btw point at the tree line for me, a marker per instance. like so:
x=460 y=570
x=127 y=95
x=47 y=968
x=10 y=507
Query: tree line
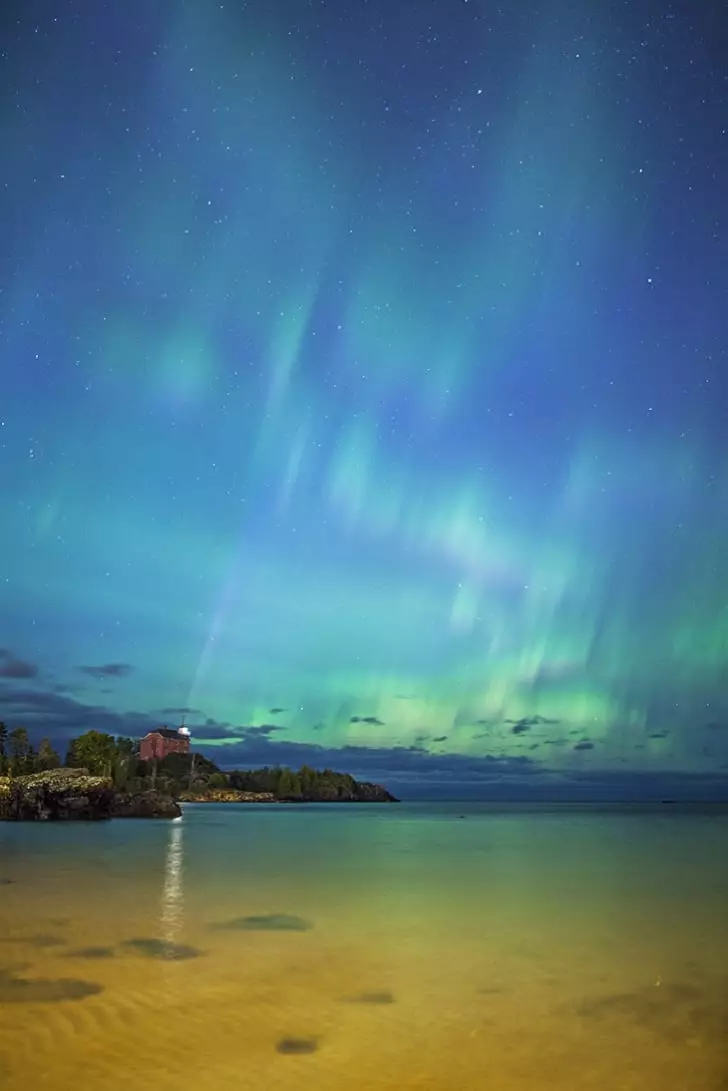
x=101 y=754
x=18 y=755
x=118 y=758
x=304 y=783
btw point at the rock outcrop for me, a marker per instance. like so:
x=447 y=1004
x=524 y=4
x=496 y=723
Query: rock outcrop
x=359 y=792
x=366 y=792
x=144 y=805
x=227 y=795
x=56 y=794
x=63 y=794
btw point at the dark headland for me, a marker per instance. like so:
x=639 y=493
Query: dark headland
x=104 y=778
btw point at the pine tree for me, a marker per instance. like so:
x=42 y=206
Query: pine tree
x=289 y=785
x=47 y=758
x=19 y=750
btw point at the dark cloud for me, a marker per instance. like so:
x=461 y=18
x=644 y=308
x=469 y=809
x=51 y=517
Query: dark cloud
x=183 y=710
x=12 y=666
x=583 y=745
x=440 y=738
x=527 y=722
x=213 y=730
x=366 y=720
x=621 y=785
x=108 y=670
x=714 y=725
x=275 y=711
x=60 y=716
x=658 y=734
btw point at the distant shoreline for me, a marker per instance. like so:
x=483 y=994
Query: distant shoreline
x=223 y=797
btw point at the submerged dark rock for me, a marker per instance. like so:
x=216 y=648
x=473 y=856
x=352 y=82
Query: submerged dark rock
x=45 y=939
x=675 y=1010
x=161 y=949
x=28 y=990
x=267 y=922
x=297 y=1045
x=92 y=953
x=377 y=997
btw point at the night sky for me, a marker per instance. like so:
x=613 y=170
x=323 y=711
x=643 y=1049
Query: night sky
x=365 y=386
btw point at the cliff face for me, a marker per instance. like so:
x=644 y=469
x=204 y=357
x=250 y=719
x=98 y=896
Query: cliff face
x=63 y=794
x=56 y=794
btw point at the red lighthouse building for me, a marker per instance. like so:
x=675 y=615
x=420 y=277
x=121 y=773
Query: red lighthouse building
x=163 y=741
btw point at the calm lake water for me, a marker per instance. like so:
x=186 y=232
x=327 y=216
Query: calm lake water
x=368 y=949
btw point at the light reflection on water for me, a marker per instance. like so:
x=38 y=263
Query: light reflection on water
x=172 y=913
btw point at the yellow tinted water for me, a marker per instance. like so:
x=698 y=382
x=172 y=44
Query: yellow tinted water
x=423 y=968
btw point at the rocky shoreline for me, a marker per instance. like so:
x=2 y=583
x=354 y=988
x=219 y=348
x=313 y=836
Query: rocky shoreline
x=227 y=795
x=68 y=794
x=363 y=793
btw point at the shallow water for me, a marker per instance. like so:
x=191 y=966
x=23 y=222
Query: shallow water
x=367 y=948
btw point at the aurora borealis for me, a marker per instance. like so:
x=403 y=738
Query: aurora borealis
x=364 y=386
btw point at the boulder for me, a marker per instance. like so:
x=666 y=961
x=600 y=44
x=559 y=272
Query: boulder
x=56 y=794
x=144 y=805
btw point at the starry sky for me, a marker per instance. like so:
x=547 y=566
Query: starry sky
x=365 y=386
